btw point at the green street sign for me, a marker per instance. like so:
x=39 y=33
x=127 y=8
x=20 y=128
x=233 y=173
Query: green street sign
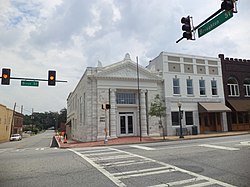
x=215 y=22
x=29 y=83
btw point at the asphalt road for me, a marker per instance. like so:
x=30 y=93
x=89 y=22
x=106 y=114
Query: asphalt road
x=223 y=161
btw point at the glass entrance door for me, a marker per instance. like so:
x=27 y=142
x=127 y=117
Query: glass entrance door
x=126 y=123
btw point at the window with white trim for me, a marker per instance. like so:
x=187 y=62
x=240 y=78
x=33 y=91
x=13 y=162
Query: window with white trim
x=233 y=87
x=214 y=87
x=247 y=87
x=125 y=98
x=202 y=87
x=189 y=118
x=190 y=90
x=175 y=118
x=176 y=86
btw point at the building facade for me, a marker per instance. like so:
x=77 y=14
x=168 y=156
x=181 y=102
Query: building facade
x=236 y=80
x=117 y=86
x=5 y=123
x=194 y=86
x=17 y=123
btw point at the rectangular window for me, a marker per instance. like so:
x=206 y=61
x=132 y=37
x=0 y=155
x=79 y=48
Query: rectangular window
x=189 y=118
x=214 y=87
x=125 y=98
x=233 y=89
x=175 y=118
x=190 y=87
x=176 y=86
x=247 y=90
x=202 y=87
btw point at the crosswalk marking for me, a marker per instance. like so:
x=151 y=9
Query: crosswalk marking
x=112 y=157
x=140 y=171
x=181 y=182
x=245 y=143
x=219 y=147
x=113 y=163
x=142 y=147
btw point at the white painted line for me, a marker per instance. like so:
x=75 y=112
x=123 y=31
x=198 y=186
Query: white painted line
x=105 y=153
x=120 y=163
x=90 y=150
x=175 y=183
x=142 y=147
x=112 y=157
x=245 y=143
x=142 y=171
x=102 y=170
x=201 y=184
x=131 y=163
x=219 y=147
x=42 y=149
x=178 y=169
x=145 y=174
x=37 y=149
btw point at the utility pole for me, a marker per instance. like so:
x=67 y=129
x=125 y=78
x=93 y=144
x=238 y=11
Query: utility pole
x=32 y=120
x=139 y=99
x=12 y=121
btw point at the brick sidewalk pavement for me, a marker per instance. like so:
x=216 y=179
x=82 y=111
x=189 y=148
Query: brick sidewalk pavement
x=131 y=140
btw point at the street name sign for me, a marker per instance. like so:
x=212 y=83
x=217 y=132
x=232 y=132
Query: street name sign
x=29 y=83
x=215 y=22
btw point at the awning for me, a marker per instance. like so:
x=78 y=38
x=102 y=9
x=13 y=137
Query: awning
x=213 y=107
x=239 y=105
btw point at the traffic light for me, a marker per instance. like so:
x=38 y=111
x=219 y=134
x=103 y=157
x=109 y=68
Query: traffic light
x=186 y=27
x=227 y=5
x=5 y=76
x=52 y=78
x=105 y=106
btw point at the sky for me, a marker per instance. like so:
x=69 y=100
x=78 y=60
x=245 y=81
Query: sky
x=70 y=35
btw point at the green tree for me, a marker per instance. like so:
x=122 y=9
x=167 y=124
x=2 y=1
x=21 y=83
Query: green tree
x=159 y=110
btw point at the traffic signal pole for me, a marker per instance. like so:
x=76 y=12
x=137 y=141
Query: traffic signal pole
x=227 y=5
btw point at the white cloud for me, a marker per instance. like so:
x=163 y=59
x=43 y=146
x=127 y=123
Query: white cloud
x=70 y=35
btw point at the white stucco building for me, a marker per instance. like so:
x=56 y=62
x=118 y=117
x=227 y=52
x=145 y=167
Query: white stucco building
x=116 y=85
x=196 y=83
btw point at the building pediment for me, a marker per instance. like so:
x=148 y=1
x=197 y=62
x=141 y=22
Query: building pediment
x=126 y=69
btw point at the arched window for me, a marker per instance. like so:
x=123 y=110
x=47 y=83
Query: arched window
x=233 y=87
x=246 y=84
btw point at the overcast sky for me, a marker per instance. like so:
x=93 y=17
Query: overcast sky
x=70 y=35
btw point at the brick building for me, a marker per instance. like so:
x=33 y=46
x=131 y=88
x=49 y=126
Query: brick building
x=236 y=80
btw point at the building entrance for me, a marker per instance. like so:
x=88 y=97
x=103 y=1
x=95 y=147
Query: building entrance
x=126 y=123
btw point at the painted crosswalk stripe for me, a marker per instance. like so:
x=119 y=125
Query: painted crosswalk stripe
x=245 y=143
x=142 y=171
x=142 y=147
x=125 y=163
x=196 y=180
x=101 y=169
x=112 y=157
x=147 y=173
x=219 y=147
x=181 y=182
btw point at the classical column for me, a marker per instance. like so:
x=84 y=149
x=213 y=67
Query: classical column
x=113 y=124
x=143 y=113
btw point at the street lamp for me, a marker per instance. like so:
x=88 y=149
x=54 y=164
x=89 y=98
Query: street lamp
x=180 y=117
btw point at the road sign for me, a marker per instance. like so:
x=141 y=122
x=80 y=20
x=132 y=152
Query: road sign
x=29 y=83
x=215 y=22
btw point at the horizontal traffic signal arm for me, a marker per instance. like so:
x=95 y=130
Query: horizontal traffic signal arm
x=5 y=78
x=226 y=5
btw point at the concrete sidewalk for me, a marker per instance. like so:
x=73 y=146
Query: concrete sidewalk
x=132 y=140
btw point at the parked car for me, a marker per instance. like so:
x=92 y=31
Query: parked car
x=15 y=137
